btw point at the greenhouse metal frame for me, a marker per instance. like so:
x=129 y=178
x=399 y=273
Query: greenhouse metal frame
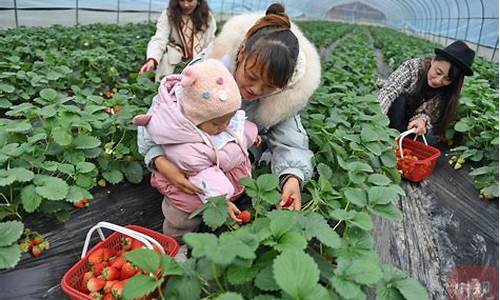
x=441 y=21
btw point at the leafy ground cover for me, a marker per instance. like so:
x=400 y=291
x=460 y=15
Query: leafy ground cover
x=67 y=96
x=324 y=33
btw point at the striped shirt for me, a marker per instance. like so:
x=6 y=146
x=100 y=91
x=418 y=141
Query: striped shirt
x=403 y=81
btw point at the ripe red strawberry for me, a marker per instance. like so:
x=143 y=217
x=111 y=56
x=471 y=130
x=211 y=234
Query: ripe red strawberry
x=126 y=242
x=36 y=251
x=109 y=285
x=110 y=273
x=96 y=257
x=245 y=216
x=97 y=268
x=117 y=109
x=38 y=240
x=137 y=245
x=289 y=201
x=118 y=262
x=117 y=289
x=81 y=204
x=107 y=253
x=86 y=278
x=95 y=284
x=84 y=289
x=108 y=296
x=127 y=271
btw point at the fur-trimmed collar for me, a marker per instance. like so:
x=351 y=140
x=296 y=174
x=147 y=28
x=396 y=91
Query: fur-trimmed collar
x=277 y=107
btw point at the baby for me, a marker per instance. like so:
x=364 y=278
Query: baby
x=196 y=119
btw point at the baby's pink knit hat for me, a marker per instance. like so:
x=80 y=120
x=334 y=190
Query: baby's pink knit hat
x=208 y=91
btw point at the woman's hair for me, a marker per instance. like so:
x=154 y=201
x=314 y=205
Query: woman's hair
x=271 y=45
x=450 y=94
x=199 y=17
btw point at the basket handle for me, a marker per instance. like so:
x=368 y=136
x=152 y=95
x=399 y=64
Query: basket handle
x=404 y=134
x=145 y=239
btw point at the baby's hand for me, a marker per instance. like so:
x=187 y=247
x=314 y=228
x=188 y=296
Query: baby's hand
x=233 y=211
x=258 y=141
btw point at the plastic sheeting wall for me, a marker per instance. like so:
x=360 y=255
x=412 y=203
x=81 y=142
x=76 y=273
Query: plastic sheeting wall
x=475 y=21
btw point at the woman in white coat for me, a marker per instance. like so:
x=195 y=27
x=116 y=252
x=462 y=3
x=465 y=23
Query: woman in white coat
x=182 y=31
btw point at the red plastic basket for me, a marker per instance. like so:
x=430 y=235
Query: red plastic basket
x=427 y=158
x=71 y=281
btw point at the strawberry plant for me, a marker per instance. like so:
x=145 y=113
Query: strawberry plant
x=10 y=251
x=324 y=33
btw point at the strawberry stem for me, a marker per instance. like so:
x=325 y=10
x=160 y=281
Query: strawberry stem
x=214 y=274
x=160 y=293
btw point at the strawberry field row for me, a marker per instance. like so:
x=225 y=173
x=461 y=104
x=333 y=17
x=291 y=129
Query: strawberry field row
x=66 y=126
x=66 y=99
x=324 y=33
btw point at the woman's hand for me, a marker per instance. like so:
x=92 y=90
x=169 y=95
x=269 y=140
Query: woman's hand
x=419 y=126
x=233 y=211
x=291 y=188
x=148 y=66
x=175 y=176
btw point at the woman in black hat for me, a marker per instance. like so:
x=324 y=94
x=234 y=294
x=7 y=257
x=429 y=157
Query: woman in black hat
x=423 y=93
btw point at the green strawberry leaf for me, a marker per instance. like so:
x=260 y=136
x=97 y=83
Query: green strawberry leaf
x=362 y=220
x=6 y=178
x=62 y=136
x=7 y=88
x=48 y=94
x=30 y=199
x=77 y=193
x=113 y=176
x=19 y=126
x=85 y=167
x=267 y=183
x=10 y=232
x=140 y=285
x=84 y=141
x=411 y=289
x=9 y=256
x=144 y=259
x=133 y=172
x=169 y=266
x=229 y=296
x=67 y=169
x=215 y=213
x=346 y=288
x=379 y=179
x=296 y=273
x=265 y=279
x=356 y=196
x=51 y=188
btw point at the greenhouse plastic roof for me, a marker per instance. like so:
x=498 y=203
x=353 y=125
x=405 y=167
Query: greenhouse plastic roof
x=475 y=21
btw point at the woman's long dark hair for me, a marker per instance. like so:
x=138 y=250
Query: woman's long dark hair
x=271 y=45
x=450 y=94
x=200 y=15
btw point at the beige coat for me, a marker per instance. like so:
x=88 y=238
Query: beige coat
x=162 y=46
x=306 y=78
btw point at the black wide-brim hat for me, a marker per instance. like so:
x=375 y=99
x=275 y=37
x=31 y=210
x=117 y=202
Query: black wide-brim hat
x=460 y=55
